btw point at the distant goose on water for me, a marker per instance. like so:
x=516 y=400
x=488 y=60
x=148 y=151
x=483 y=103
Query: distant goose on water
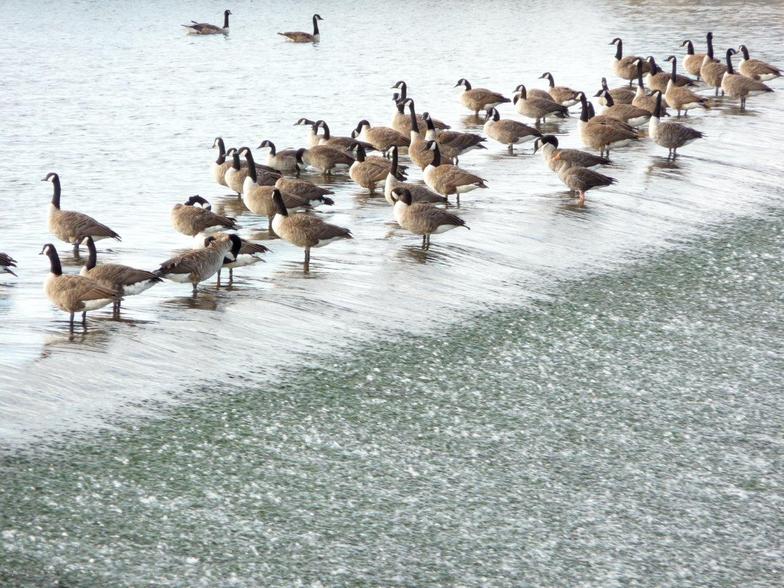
x=301 y=37
x=422 y=218
x=507 y=131
x=284 y=161
x=72 y=227
x=624 y=67
x=479 y=99
x=679 y=97
x=203 y=28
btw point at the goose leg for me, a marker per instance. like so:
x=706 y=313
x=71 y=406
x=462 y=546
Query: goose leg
x=424 y=241
x=84 y=318
x=76 y=250
x=428 y=240
x=194 y=289
x=307 y=259
x=71 y=321
x=270 y=230
x=581 y=199
x=231 y=276
x=217 y=284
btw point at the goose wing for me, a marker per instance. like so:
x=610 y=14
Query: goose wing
x=434 y=217
x=83 y=288
x=115 y=273
x=82 y=225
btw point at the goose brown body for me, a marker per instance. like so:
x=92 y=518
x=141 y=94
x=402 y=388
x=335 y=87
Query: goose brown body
x=507 y=131
x=197 y=265
x=422 y=218
x=756 y=69
x=479 y=99
x=535 y=107
x=303 y=37
x=192 y=220
x=548 y=144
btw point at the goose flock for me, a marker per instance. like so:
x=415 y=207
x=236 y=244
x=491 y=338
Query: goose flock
x=371 y=157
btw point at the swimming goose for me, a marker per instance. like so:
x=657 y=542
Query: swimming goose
x=739 y=86
x=72 y=227
x=305 y=189
x=711 y=70
x=537 y=108
x=304 y=230
x=193 y=220
x=312 y=137
x=382 y=138
x=72 y=293
x=561 y=94
x=621 y=95
x=197 y=265
x=624 y=67
x=346 y=144
x=447 y=179
x=125 y=280
x=300 y=37
x=203 y=28
x=602 y=133
x=246 y=254
x=325 y=158
x=681 y=98
x=627 y=113
x=422 y=218
x=548 y=145
x=220 y=165
x=756 y=69
x=419 y=193
x=658 y=79
x=452 y=144
x=6 y=263
x=259 y=201
x=693 y=61
x=476 y=99
x=671 y=135
x=507 y=131
x=368 y=172
x=581 y=179
x=285 y=161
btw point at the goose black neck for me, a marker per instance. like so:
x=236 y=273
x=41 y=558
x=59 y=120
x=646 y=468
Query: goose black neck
x=251 y=165
x=430 y=125
x=56 y=191
x=729 y=62
x=689 y=48
x=639 y=75
x=745 y=51
x=584 y=110
x=325 y=126
x=225 y=20
x=604 y=85
x=436 y=155
x=279 y=206
x=551 y=80
x=710 y=46
x=272 y=149
x=658 y=109
x=221 y=152
x=360 y=153
x=412 y=114
x=393 y=169
x=54 y=261
x=608 y=99
x=235 y=160
x=399 y=104
x=523 y=92
x=467 y=85
x=619 y=50
x=674 y=74
x=92 y=258
x=315 y=26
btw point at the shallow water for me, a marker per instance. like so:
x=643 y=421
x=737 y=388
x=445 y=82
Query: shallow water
x=507 y=407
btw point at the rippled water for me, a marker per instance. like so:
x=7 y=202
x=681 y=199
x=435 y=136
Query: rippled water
x=517 y=405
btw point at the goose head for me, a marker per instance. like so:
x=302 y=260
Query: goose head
x=196 y=199
x=267 y=143
x=545 y=140
x=317 y=17
x=547 y=76
x=745 y=50
x=51 y=177
x=304 y=121
x=615 y=41
x=492 y=113
x=523 y=92
x=463 y=82
x=402 y=195
x=360 y=126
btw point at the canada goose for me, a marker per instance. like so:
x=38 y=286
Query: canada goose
x=73 y=293
x=658 y=79
x=711 y=70
x=325 y=158
x=6 y=263
x=246 y=255
x=671 y=135
x=400 y=119
x=452 y=144
x=345 y=144
x=477 y=99
x=367 y=173
x=621 y=95
x=312 y=137
x=304 y=230
x=581 y=179
x=300 y=37
x=508 y=132
x=417 y=150
x=422 y=218
x=220 y=165
x=548 y=144
x=382 y=138
x=693 y=61
x=641 y=98
x=627 y=113
x=535 y=107
x=447 y=179
x=561 y=94
x=193 y=220
x=624 y=66
x=739 y=86
x=197 y=265
x=419 y=193
x=72 y=227
x=254 y=174
x=259 y=201
x=285 y=161
x=203 y=28
x=756 y=69
x=603 y=132
x=681 y=98
x=304 y=189
x=125 y=280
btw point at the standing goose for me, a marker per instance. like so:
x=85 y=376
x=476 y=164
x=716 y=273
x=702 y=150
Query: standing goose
x=236 y=174
x=243 y=253
x=366 y=172
x=536 y=107
x=6 y=263
x=671 y=135
x=259 y=201
x=220 y=165
x=304 y=230
x=621 y=95
x=627 y=113
x=422 y=218
x=255 y=174
x=447 y=179
x=739 y=86
x=345 y=144
x=203 y=28
x=581 y=179
x=507 y=131
x=73 y=294
x=417 y=150
x=419 y=193
x=711 y=70
x=285 y=161
x=125 y=280
x=382 y=138
x=452 y=144
x=193 y=220
x=197 y=265
x=678 y=97
x=402 y=121
x=756 y=69
x=72 y=227
x=304 y=189
x=624 y=67
x=300 y=37
x=693 y=61
x=325 y=158
x=476 y=99
x=641 y=98
x=548 y=144
x=658 y=79
x=602 y=134
x=560 y=94
x=312 y=137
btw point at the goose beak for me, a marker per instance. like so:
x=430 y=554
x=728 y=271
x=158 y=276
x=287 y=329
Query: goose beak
x=43 y=179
